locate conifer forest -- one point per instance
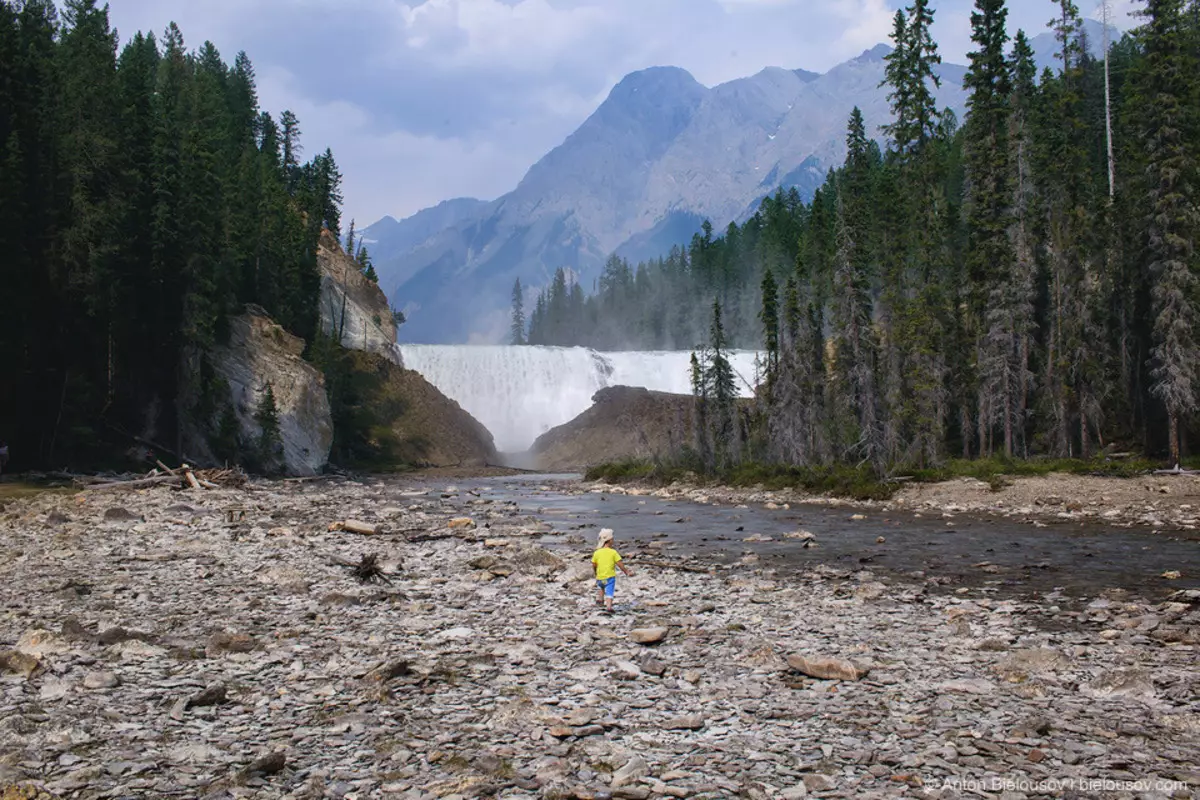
(145, 198)
(1021, 282)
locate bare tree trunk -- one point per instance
(1173, 433)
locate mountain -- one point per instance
(659, 156)
(1046, 49)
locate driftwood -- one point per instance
(139, 483)
(356, 526)
(1176, 471)
(191, 478)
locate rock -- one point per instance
(27, 791)
(652, 666)
(1135, 684)
(101, 680)
(224, 642)
(461, 523)
(827, 668)
(1022, 664)
(627, 670)
(968, 686)
(352, 305)
(214, 695)
(260, 353)
(265, 765)
(794, 793)
(648, 635)
(40, 643)
(634, 769)
(689, 722)
(816, 782)
(16, 663)
(118, 514)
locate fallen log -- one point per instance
(356, 526)
(191, 479)
(139, 483)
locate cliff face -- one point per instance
(425, 428)
(353, 304)
(259, 354)
(623, 423)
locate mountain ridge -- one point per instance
(660, 155)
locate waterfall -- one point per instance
(519, 393)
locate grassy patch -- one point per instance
(862, 483)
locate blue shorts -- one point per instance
(609, 585)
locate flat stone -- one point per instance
(827, 668)
(633, 769)
(648, 635)
(689, 722)
(101, 680)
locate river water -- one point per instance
(1005, 556)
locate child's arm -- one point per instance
(624, 568)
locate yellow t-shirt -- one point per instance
(606, 560)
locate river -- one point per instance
(1002, 556)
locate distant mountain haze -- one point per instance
(659, 156)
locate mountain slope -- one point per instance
(658, 157)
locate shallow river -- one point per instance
(1010, 557)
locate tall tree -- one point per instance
(517, 330)
(1167, 85)
(991, 319)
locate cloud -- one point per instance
(422, 100)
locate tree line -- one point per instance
(146, 198)
(1023, 283)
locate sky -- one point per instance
(425, 100)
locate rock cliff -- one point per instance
(259, 354)
(428, 428)
(352, 304)
(623, 423)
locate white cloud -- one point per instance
(422, 100)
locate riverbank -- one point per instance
(183, 644)
(1157, 502)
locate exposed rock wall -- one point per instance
(430, 429)
(352, 304)
(261, 353)
(623, 423)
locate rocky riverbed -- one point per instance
(1156, 502)
(218, 644)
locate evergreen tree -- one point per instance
(517, 330)
(1167, 84)
(991, 320)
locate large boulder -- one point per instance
(425, 427)
(353, 305)
(623, 423)
(259, 354)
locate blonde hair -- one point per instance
(606, 536)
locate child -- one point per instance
(606, 560)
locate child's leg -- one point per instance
(599, 593)
(610, 589)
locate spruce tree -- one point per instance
(517, 329)
(1166, 85)
(990, 321)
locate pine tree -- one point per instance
(517, 330)
(769, 316)
(270, 438)
(1167, 85)
(991, 320)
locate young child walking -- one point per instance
(606, 559)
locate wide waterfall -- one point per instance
(519, 393)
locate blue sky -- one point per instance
(424, 100)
